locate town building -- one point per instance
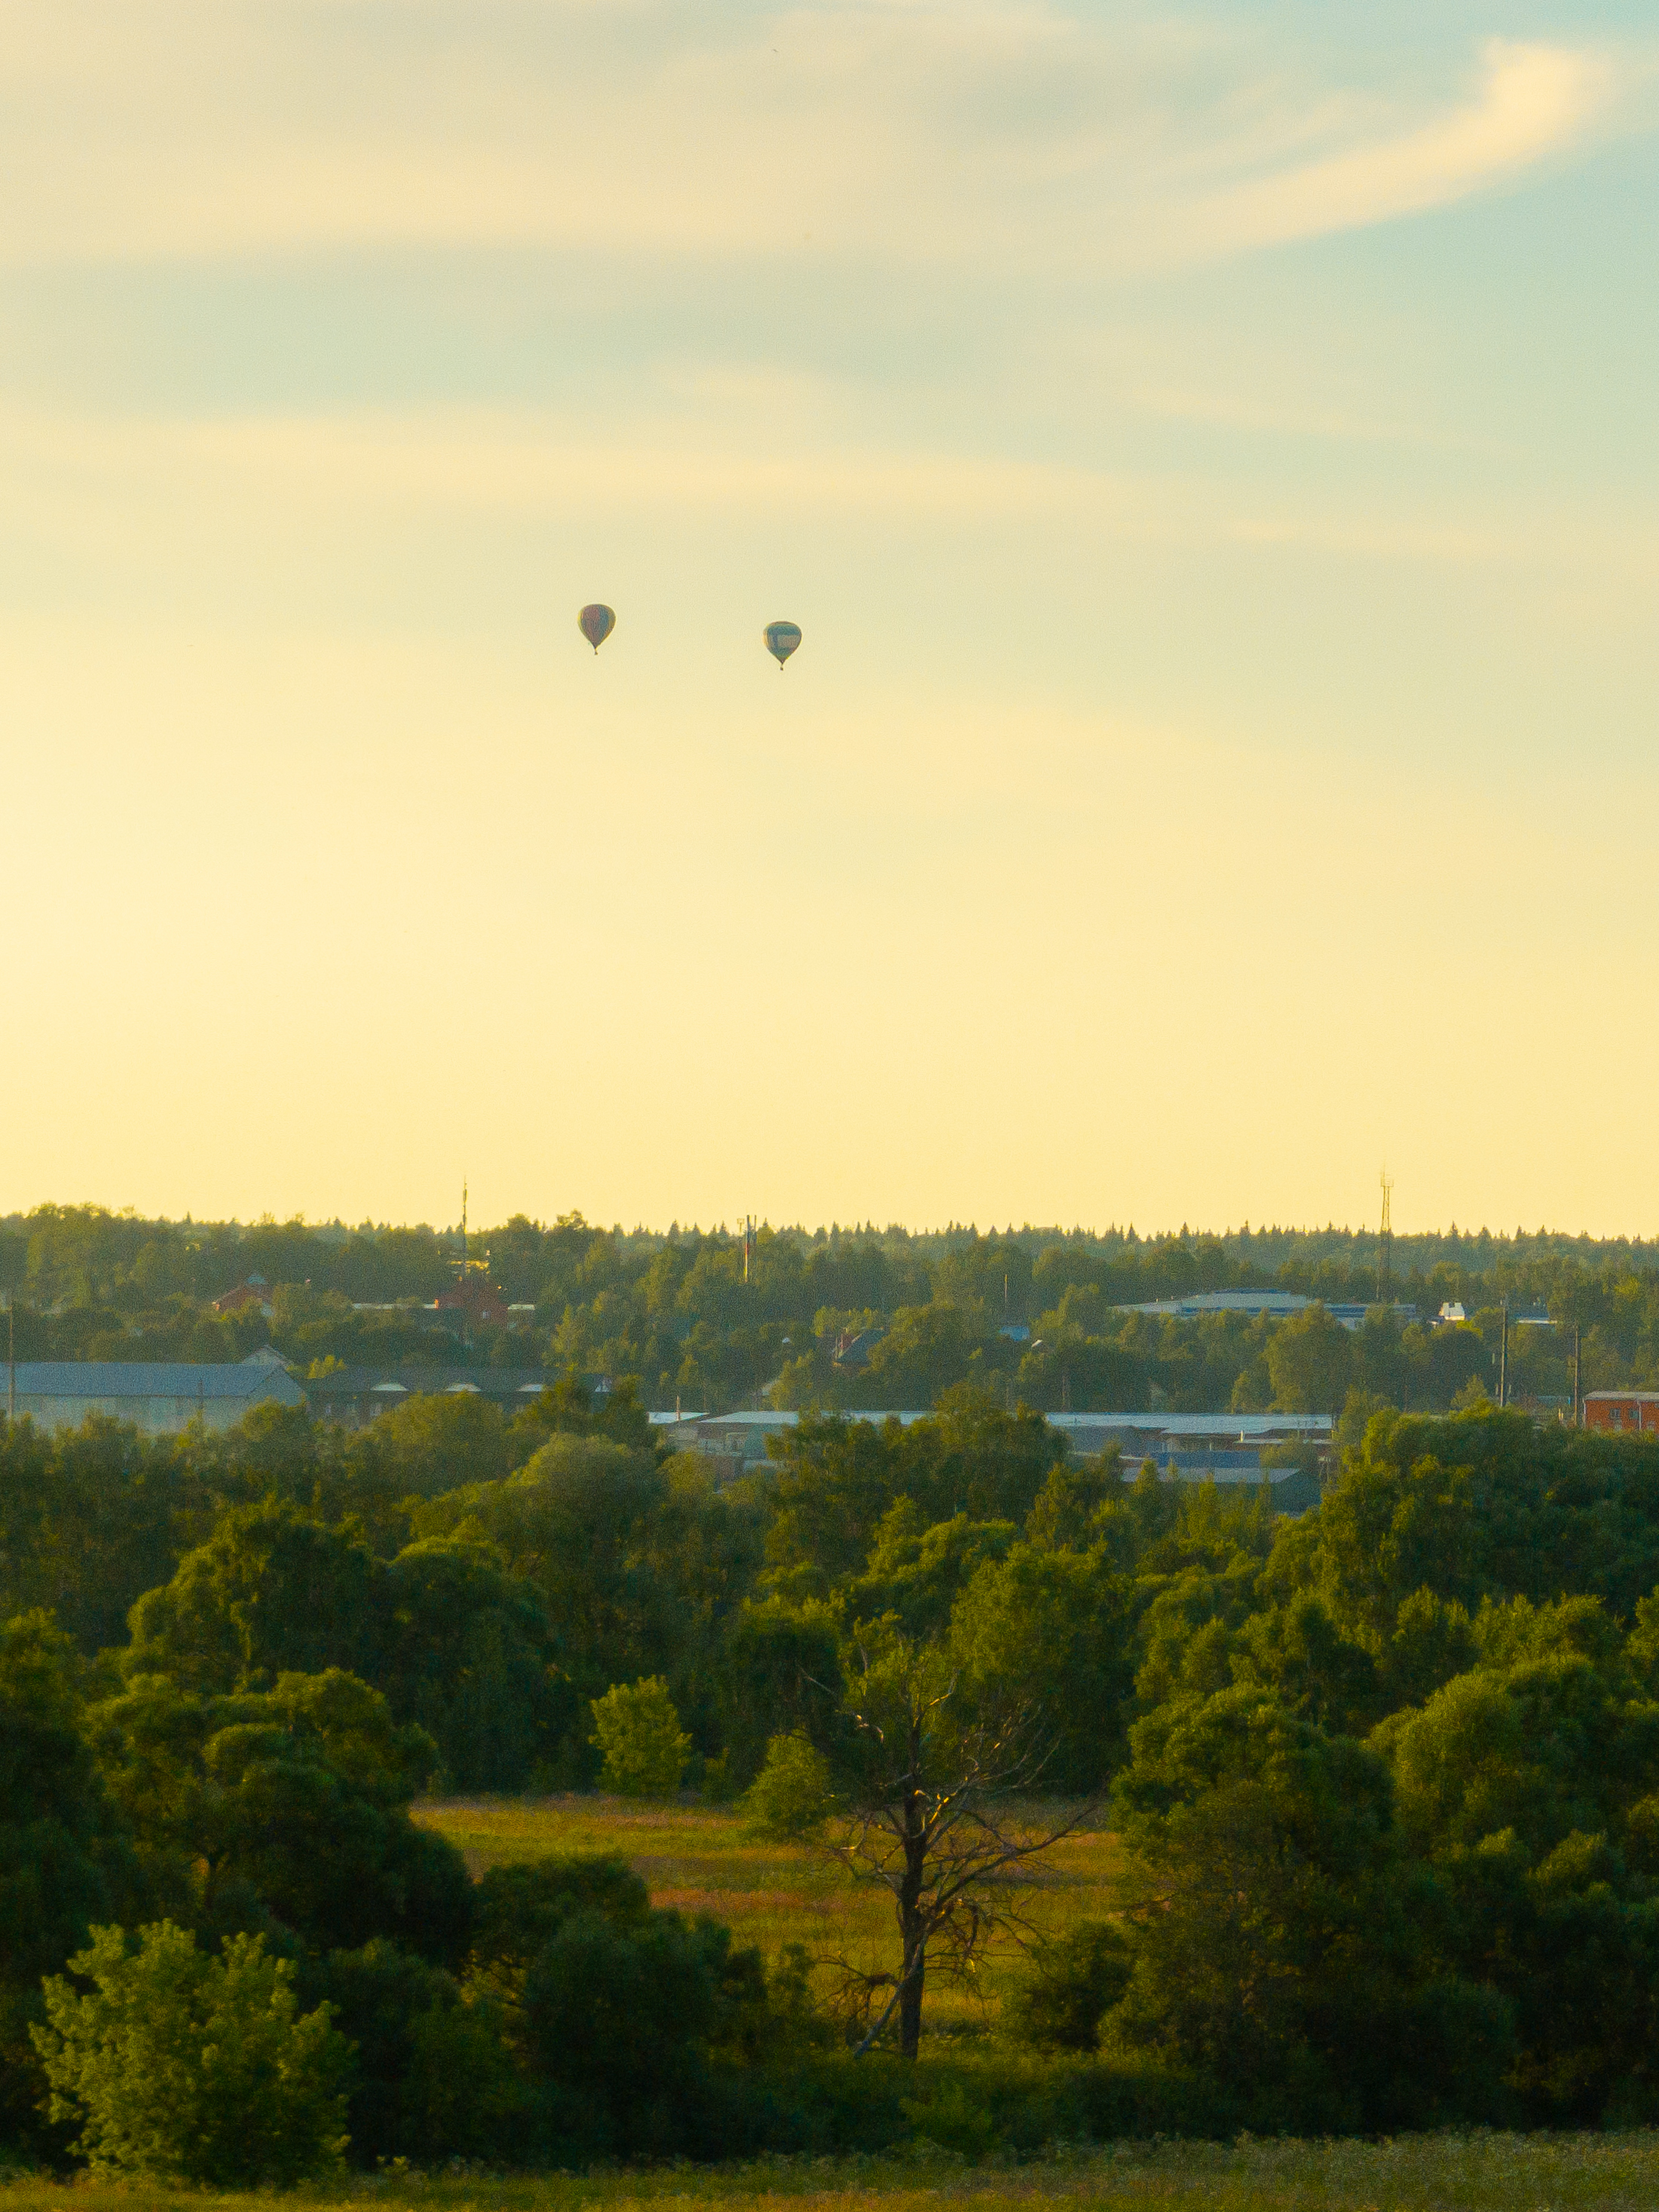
(1636, 1412)
(1223, 1448)
(255, 1292)
(1257, 1305)
(471, 1302)
(354, 1395)
(160, 1397)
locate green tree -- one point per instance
(1310, 1359)
(289, 1808)
(437, 1441)
(918, 1573)
(1050, 1630)
(837, 1479)
(638, 1735)
(272, 1591)
(1280, 1948)
(89, 1519)
(468, 1656)
(185, 2067)
(641, 1568)
(780, 1670)
(66, 1859)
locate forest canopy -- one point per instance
(854, 1318)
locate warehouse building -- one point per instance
(160, 1397)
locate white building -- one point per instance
(158, 1396)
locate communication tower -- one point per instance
(1385, 1242)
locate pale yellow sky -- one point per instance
(1211, 461)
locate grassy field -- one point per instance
(1423, 2174)
(697, 1857)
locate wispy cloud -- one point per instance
(373, 476)
(976, 131)
(1533, 102)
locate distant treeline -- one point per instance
(852, 1316)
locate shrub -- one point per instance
(792, 1793)
(191, 2068)
(1074, 1980)
(637, 1732)
(435, 2077)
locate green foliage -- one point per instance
(641, 1568)
(185, 2067)
(1391, 1771)
(287, 1809)
(433, 2077)
(65, 1862)
(837, 1481)
(455, 1642)
(1270, 1931)
(1072, 1982)
(1048, 1629)
(620, 2020)
(87, 1522)
(467, 1650)
(522, 1906)
(272, 1591)
(781, 1664)
(795, 1792)
(638, 1735)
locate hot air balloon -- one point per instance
(781, 639)
(596, 623)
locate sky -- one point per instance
(1210, 451)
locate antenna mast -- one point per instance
(1385, 1242)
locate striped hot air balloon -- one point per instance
(781, 639)
(596, 623)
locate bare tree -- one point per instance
(926, 1790)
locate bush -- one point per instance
(793, 1792)
(435, 2077)
(190, 2068)
(1075, 1981)
(637, 1732)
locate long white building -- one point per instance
(159, 1396)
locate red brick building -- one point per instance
(1635, 1411)
(475, 1298)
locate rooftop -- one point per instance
(146, 1378)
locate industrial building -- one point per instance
(354, 1395)
(1255, 1305)
(159, 1397)
(1223, 1448)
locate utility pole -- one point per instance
(1385, 1243)
(1504, 1359)
(11, 1357)
(1577, 1373)
(466, 1334)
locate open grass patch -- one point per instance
(698, 1858)
(1479, 2173)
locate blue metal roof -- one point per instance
(152, 1378)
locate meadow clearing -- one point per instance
(1479, 2172)
(697, 1857)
